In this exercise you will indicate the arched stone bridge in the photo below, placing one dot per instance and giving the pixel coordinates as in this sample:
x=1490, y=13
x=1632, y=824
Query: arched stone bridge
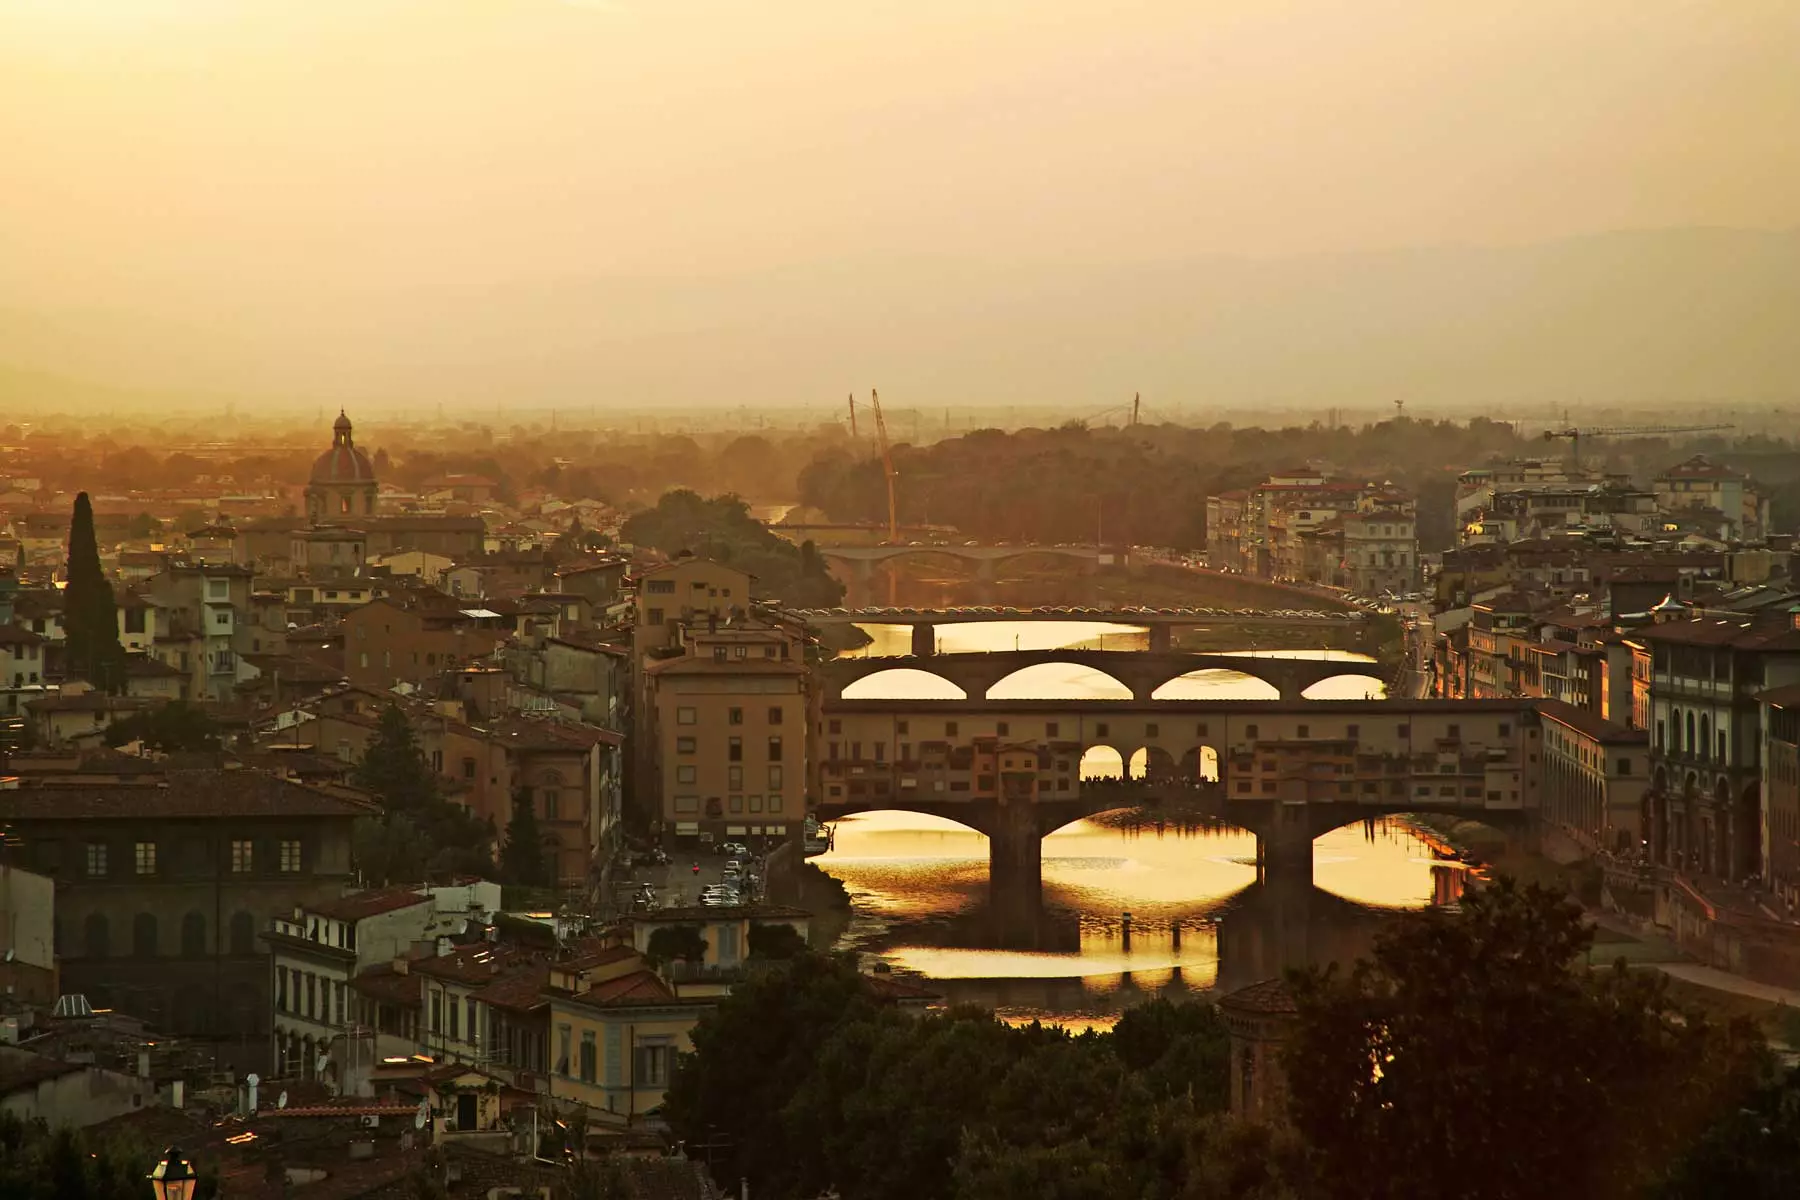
x=1141, y=672
x=864, y=559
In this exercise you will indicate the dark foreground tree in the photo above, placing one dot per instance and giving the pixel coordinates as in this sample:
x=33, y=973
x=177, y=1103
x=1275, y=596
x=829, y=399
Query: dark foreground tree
x=522, y=857
x=1472, y=1056
x=1752, y=1153
x=419, y=830
x=90, y=617
x=173, y=728
x=670, y=942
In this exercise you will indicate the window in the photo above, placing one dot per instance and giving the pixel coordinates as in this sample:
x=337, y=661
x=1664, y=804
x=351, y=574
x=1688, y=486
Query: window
x=734, y=777
x=241, y=857
x=1454, y=731
x=1051, y=728
x=193, y=937
x=96, y=858
x=1002, y=729
x=737, y=804
x=1101, y=729
x=774, y=714
x=1151, y=729
x=901, y=727
x=437, y=1007
x=652, y=1066
x=1352, y=731
x=775, y=749
x=1305, y=731
x=564, y=1035
x=734, y=716
x=468, y=768
x=146, y=858
x=1505, y=729
x=684, y=716
x=719, y=656
x=836, y=726
x=454, y=1023
x=684, y=745
x=734, y=749
x=686, y=774
x=775, y=778
x=740, y=651
x=589, y=1057
x=949, y=728
x=660, y=587
x=687, y=804
x=281, y=995
x=653, y=616
x=756, y=804
x=1200, y=729
x=1249, y=731
x=774, y=804
x=552, y=801
x=290, y=856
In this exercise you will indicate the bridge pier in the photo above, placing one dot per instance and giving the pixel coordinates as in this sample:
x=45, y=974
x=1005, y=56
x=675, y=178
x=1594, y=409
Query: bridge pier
x=924, y=639
x=1161, y=637
x=1015, y=852
x=1284, y=846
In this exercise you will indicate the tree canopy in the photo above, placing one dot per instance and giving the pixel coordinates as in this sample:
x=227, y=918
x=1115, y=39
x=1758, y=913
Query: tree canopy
x=1468, y=1056
x=722, y=529
x=419, y=835
x=173, y=728
x=522, y=859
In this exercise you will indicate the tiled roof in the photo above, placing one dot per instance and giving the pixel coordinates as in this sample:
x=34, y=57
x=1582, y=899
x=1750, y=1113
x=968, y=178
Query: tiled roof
x=520, y=989
x=477, y=962
x=1270, y=997
x=386, y=984
x=18, y=635
x=637, y=988
x=1589, y=723
x=181, y=794
x=368, y=904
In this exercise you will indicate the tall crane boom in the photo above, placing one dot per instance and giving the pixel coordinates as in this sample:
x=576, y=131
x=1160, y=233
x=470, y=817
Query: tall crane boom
x=852, y=416
x=887, y=464
x=1574, y=435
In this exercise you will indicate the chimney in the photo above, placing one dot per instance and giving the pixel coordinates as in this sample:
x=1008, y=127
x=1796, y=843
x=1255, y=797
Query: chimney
x=400, y=966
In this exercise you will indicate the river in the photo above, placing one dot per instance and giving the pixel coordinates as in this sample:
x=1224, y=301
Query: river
x=1130, y=909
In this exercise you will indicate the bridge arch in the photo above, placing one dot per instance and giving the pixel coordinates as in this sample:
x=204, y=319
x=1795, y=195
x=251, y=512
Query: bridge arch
x=1059, y=680
x=909, y=683
x=954, y=818
x=1348, y=685
x=1216, y=683
x=1101, y=761
x=1151, y=761
x=1201, y=762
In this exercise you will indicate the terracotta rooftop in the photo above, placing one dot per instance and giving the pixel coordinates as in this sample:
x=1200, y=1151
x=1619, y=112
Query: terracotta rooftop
x=1269, y=998
x=1589, y=723
x=368, y=904
x=637, y=988
x=387, y=985
x=178, y=795
x=520, y=988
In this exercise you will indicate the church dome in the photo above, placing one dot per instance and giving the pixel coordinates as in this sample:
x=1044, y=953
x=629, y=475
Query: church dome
x=343, y=463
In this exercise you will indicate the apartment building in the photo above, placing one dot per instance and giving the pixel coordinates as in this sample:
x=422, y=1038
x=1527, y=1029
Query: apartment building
x=1700, y=485
x=1707, y=738
x=165, y=881
x=206, y=608
x=315, y=952
x=410, y=636
x=1596, y=775
x=1781, y=791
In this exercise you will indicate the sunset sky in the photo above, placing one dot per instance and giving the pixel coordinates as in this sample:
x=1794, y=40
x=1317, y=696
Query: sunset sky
x=237, y=166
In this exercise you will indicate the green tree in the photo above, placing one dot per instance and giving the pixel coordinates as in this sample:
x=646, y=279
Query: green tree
x=173, y=728
x=90, y=617
x=722, y=529
x=449, y=841
x=751, y=1055
x=1468, y=1056
x=1752, y=1152
x=522, y=857
x=775, y=941
x=670, y=942
x=394, y=768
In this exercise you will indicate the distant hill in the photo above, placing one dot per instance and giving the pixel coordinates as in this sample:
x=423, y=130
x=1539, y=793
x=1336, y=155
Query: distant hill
x=1678, y=316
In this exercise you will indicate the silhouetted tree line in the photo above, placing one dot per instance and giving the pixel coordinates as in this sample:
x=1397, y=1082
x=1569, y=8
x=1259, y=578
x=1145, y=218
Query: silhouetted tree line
x=722, y=529
x=1474, y=1054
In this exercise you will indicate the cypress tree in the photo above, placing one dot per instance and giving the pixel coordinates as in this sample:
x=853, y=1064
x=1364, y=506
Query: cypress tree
x=90, y=618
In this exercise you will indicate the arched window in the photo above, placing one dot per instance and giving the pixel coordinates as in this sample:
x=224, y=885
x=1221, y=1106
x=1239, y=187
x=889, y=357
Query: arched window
x=243, y=933
x=1722, y=755
x=1690, y=733
x=193, y=936
x=143, y=936
x=1704, y=745
x=97, y=936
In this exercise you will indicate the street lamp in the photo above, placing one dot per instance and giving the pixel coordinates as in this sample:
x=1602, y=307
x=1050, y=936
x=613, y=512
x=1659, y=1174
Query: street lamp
x=174, y=1177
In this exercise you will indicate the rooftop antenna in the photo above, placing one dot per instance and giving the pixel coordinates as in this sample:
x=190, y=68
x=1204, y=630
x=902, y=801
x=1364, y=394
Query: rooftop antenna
x=1399, y=408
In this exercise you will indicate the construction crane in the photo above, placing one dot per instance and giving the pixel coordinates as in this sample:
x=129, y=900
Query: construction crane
x=887, y=465
x=1137, y=400
x=852, y=416
x=1575, y=435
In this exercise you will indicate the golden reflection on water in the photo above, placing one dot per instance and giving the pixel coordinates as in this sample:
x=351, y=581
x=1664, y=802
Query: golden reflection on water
x=919, y=884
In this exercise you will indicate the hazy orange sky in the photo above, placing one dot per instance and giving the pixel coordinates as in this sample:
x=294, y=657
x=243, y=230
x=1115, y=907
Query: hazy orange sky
x=200, y=158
